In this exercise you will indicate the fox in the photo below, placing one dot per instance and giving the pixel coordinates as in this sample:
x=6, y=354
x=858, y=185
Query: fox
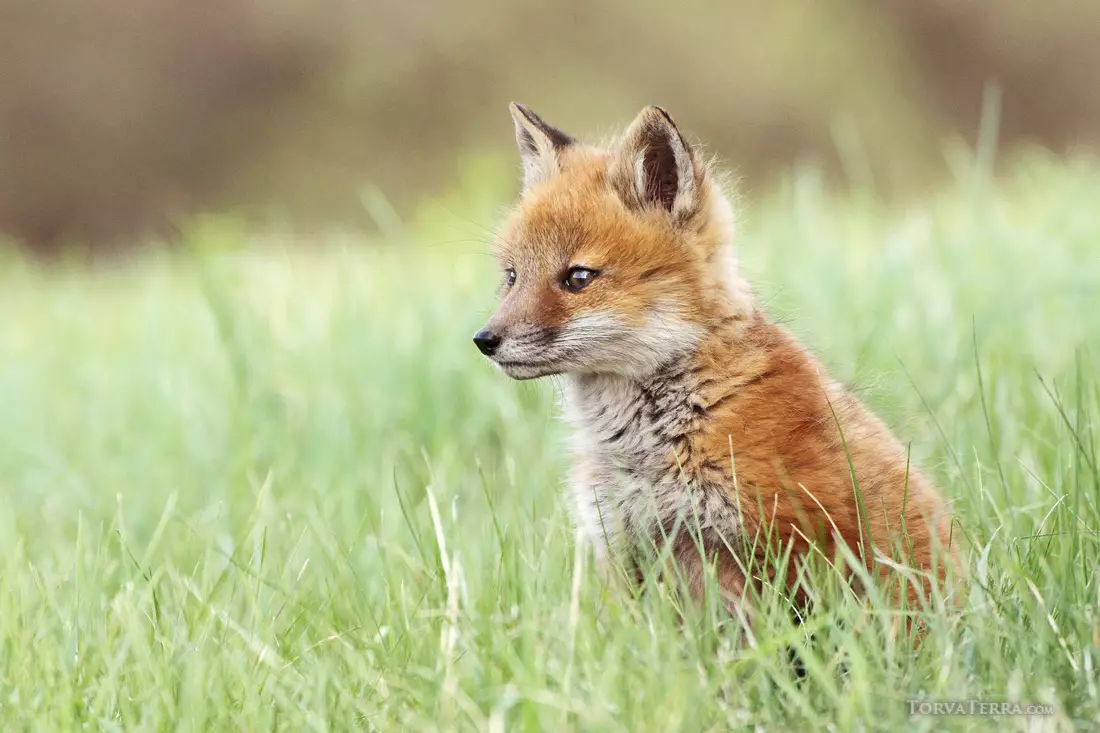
x=688, y=406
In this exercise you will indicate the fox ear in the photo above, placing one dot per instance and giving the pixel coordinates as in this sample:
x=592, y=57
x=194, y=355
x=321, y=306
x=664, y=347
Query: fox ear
x=539, y=144
x=658, y=166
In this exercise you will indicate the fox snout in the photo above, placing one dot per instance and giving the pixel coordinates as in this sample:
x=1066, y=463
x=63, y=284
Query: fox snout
x=521, y=351
x=487, y=341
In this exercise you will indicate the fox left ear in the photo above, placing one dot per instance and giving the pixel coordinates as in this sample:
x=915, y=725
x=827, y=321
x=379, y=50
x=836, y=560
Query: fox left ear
x=539, y=144
x=659, y=164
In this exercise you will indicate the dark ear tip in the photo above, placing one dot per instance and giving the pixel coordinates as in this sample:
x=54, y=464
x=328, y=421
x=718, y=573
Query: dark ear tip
x=521, y=112
x=519, y=109
x=658, y=109
x=656, y=119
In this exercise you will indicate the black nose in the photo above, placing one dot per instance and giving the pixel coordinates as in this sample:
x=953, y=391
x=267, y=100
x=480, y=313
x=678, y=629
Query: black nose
x=487, y=341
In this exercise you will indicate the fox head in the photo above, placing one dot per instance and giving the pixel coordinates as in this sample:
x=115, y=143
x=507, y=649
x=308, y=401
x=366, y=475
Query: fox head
x=616, y=260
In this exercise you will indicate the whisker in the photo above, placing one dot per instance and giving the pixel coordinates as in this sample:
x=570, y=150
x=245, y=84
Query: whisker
x=451, y=211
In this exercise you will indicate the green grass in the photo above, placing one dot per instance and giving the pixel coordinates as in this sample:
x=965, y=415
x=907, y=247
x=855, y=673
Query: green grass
x=253, y=487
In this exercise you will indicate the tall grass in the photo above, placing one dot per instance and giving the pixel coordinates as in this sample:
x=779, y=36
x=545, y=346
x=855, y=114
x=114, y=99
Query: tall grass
x=250, y=486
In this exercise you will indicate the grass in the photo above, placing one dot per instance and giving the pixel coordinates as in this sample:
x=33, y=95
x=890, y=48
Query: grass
x=253, y=487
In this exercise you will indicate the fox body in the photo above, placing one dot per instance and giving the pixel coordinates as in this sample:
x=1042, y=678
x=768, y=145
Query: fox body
x=688, y=406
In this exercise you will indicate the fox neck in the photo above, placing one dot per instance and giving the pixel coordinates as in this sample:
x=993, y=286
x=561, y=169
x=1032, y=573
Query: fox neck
x=635, y=442
x=630, y=426
x=639, y=419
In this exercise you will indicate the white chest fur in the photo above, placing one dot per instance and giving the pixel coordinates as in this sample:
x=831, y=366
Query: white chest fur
x=632, y=472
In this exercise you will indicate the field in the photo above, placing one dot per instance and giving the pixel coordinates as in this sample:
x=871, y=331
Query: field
x=255, y=486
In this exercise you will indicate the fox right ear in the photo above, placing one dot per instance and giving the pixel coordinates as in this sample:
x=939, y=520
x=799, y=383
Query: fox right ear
x=539, y=144
x=658, y=166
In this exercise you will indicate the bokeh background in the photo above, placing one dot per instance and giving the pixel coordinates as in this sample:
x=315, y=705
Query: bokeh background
x=118, y=117
x=255, y=476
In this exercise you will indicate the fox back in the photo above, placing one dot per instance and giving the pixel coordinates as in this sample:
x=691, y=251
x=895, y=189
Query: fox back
x=688, y=406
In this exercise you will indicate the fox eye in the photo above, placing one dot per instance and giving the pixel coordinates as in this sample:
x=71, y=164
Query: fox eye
x=509, y=277
x=577, y=278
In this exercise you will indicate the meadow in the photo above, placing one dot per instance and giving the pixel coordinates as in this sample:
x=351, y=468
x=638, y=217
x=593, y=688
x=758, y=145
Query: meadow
x=252, y=482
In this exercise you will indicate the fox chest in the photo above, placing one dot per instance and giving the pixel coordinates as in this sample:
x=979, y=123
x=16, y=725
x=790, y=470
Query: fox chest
x=632, y=431
x=635, y=469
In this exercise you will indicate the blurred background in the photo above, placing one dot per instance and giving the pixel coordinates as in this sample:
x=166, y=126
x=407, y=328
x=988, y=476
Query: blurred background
x=118, y=116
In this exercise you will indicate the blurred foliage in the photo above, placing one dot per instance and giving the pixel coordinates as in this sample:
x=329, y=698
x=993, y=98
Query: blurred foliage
x=249, y=486
x=117, y=116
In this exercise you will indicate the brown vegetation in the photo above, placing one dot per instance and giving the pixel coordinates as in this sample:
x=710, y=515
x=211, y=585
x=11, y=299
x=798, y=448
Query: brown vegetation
x=116, y=115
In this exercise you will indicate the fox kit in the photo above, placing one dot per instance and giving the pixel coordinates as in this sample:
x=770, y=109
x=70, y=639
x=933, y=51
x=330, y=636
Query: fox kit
x=619, y=275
